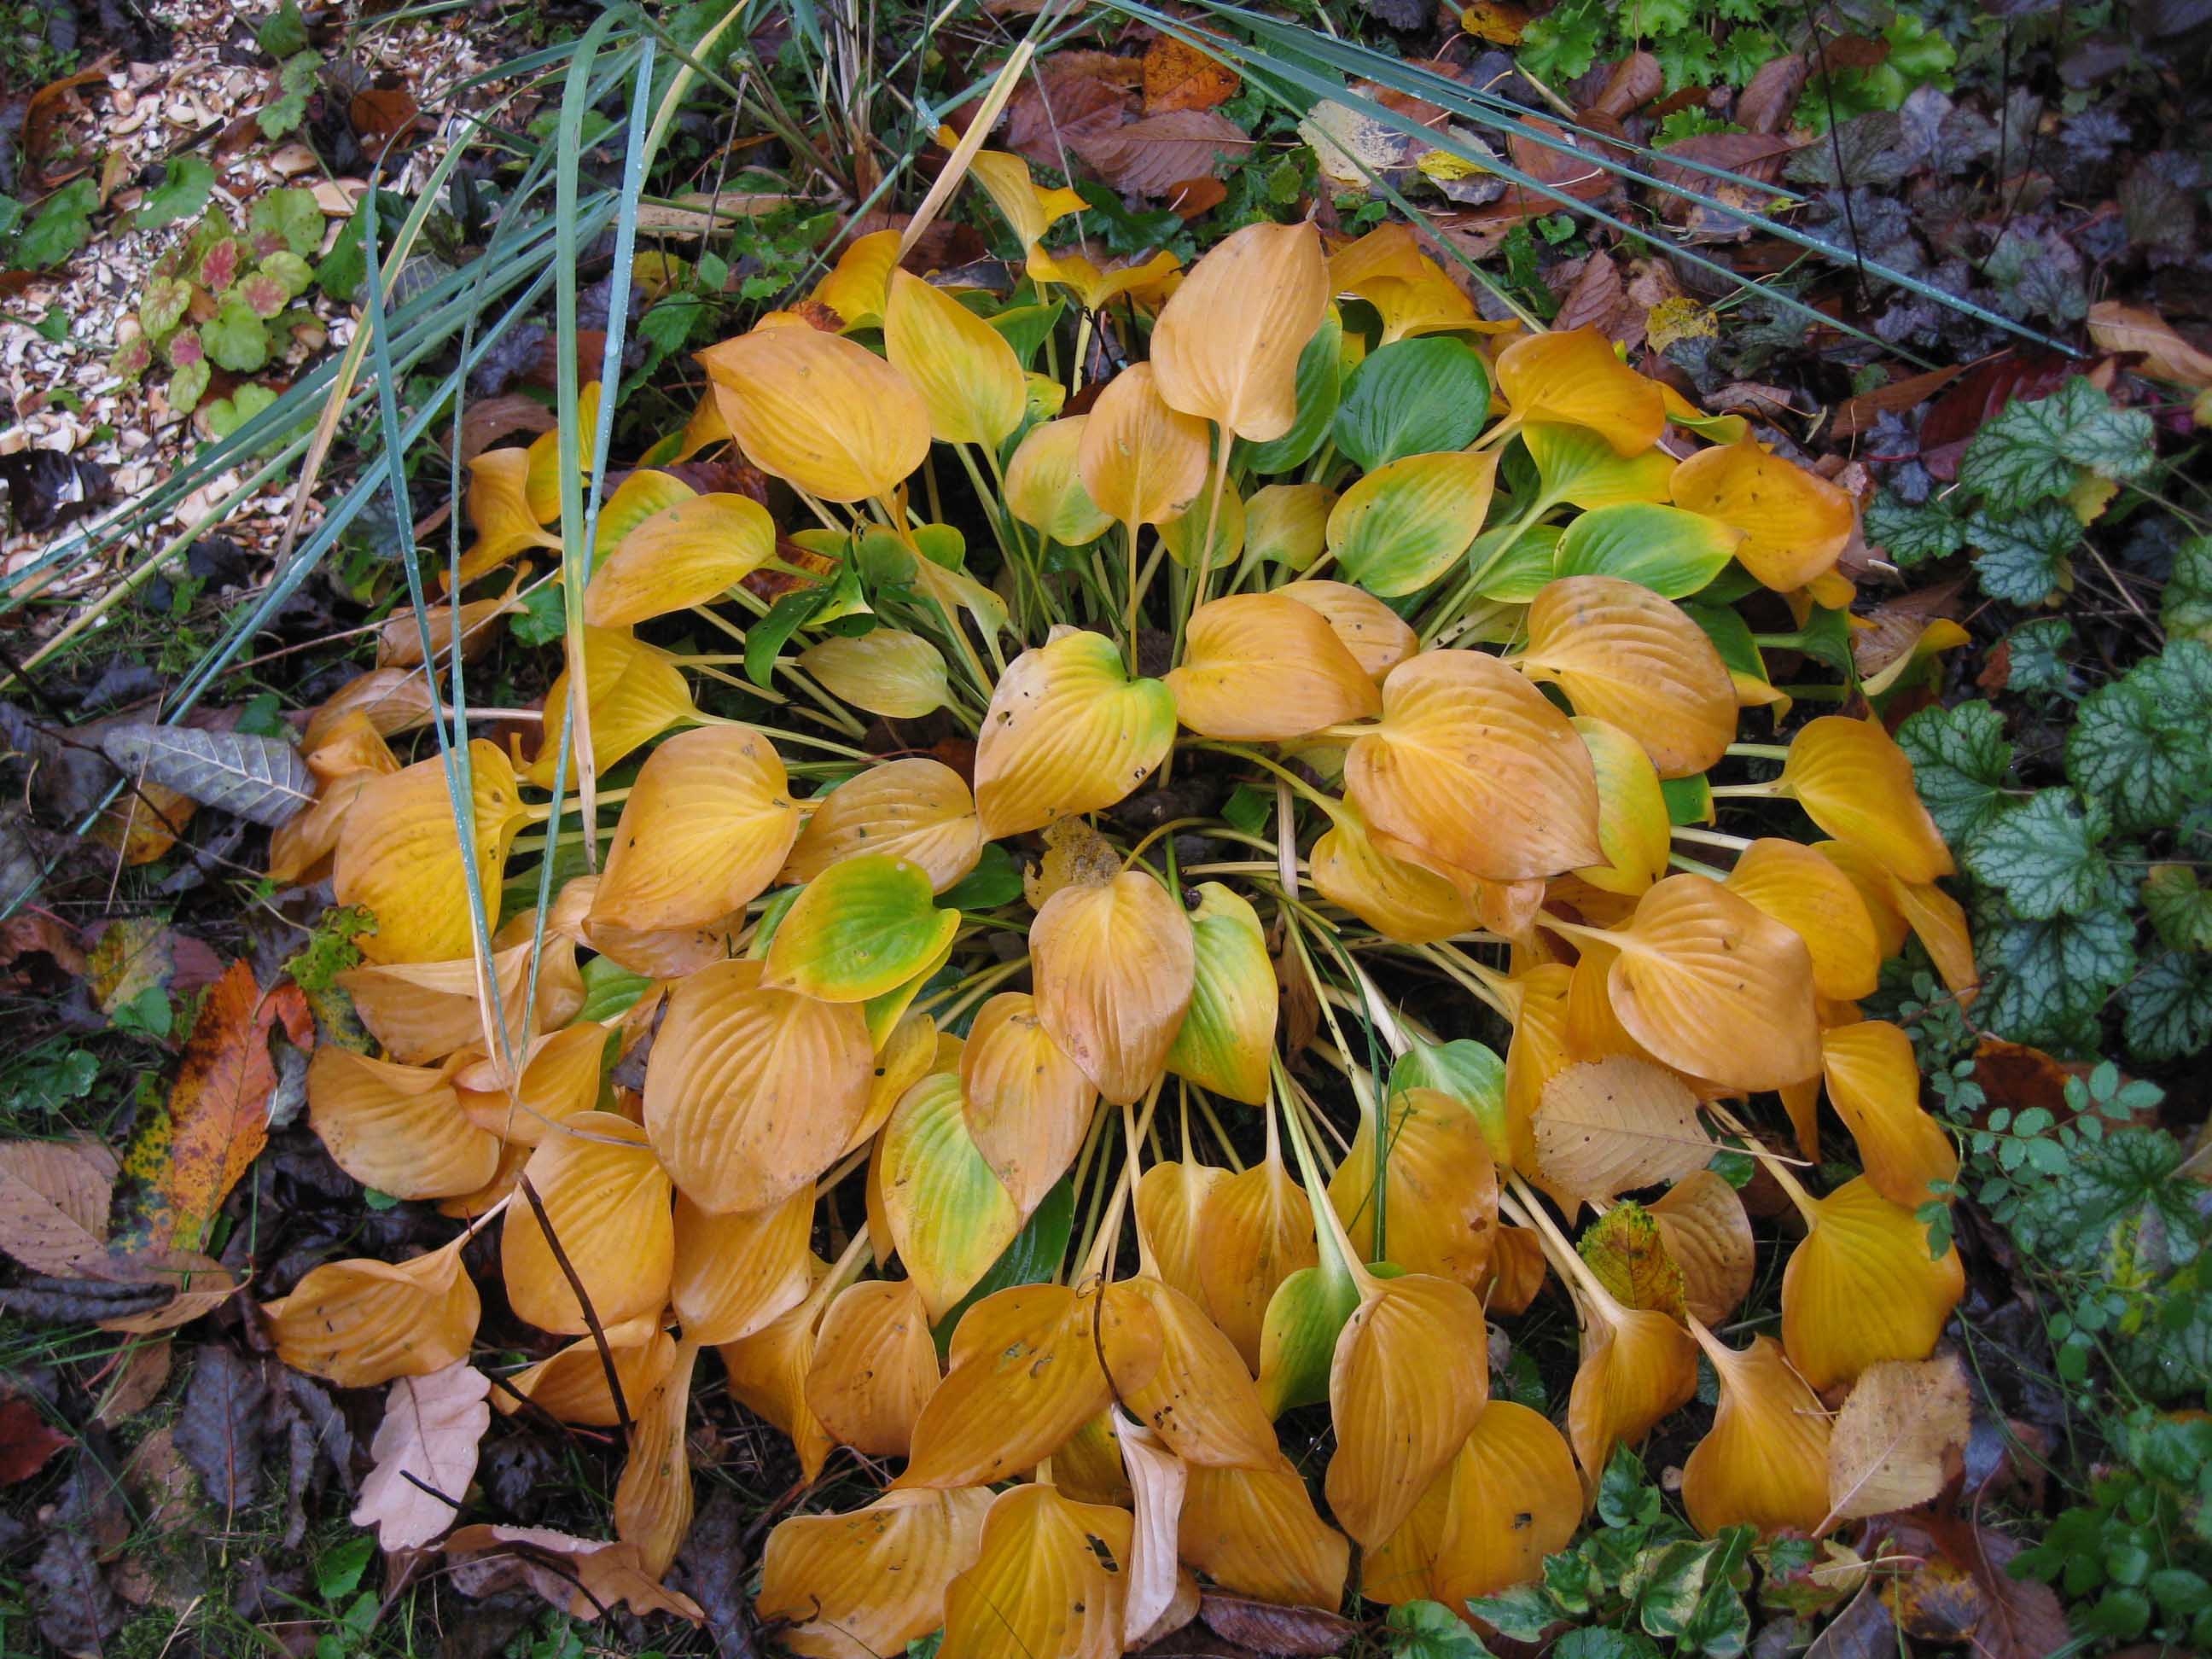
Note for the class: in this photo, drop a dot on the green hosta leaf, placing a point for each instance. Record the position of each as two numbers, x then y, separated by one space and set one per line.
2185 606
1961 761
2179 907
2045 982
995 881
2168 1007
2021 554
2034 450
1672 552
2036 664
1031 1259
236 338
1518 569
2144 744
1320 388
1913 535
2047 854
609 990
1825 637
863 926
1412 398
186 184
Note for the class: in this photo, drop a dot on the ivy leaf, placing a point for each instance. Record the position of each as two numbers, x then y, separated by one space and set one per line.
2144 743
1430 1630
2185 607
182 194
2119 1194
1959 760
2045 983
2032 451
2178 906
2047 854
2021 556
1913 535
2168 1008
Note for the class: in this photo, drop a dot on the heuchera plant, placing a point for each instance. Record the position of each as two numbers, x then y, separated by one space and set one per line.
1349 674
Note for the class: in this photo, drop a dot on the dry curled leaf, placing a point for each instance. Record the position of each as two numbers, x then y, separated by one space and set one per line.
425 1451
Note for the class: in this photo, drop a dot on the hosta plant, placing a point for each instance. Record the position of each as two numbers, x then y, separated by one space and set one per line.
1176 883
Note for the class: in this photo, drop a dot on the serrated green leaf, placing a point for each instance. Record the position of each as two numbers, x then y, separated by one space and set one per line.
2179 907
291 213
1430 1630
2185 607
1960 760
235 338
2036 664
2035 450
2021 555
2144 744
2047 854
2168 1007
1913 535
2121 1200
186 184
2045 982
61 226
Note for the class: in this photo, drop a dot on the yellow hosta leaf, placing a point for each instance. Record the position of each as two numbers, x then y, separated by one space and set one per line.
501 511
737 1273
1857 784
1287 523
1474 767
399 856
688 553
1412 1373
1049 1579
1115 967
875 1367
1260 668
1201 1400
1044 489
863 926
559 1077
861 1585
1408 290
636 693
1608 1125
1094 285
571 1385
1140 460
916 810
1513 1500
1378 637
1939 922
1765 1461
708 822
753 1091
1863 1288
1439 1209
1155 1586
653 1501
857 286
1632 824
394 699
1402 1568
397 1128
1708 1235
768 1373
1573 375
1404 525
1716 988
352 752
1806 894
667 953
970 380
1026 1375
1228 1034
1400 899
887 672
820 412
360 1324
1538 1051
1067 732
1631 658
606 1197
1028 1105
1089 1467
1227 342
1255 1229
1794 522
421 1011
1637 1367
949 1216
1874 1082
1030 211
1578 465
1171 1199
1626 1253
1256 1532
636 498
1517 1268
544 481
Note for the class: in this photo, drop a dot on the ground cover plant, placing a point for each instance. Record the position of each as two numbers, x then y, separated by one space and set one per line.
1189 939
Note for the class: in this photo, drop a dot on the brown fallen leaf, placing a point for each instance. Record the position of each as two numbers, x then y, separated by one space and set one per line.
27 1441
1607 1127
1771 94
1069 96
2165 355
53 1204
1898 1438
1178 76
1266 1627
426 1456
142 1374
585 1577
1150 157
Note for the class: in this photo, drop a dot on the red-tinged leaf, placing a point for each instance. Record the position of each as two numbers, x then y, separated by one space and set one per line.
182 1162
27 1440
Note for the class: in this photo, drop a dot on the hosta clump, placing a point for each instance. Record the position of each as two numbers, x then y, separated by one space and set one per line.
223 298
1343 741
